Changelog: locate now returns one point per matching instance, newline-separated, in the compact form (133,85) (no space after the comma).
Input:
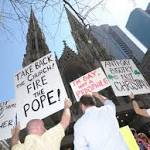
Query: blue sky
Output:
(12,45)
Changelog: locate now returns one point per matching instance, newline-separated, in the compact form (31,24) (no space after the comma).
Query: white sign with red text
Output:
(7,118)
(39,90)
(91,82)
(125,77)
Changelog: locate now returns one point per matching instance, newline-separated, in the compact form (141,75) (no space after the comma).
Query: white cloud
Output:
(112,11)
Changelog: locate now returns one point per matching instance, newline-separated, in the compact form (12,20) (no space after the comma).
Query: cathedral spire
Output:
(74,22)
(87,45)
(75,25)
(36,45)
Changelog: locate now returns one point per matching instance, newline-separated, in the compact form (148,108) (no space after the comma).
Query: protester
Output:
(98,128)
(38,137)
(143,141)
(137,109)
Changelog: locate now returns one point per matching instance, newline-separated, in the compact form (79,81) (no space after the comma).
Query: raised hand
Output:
(131,96)
(15,130)
(99,96)
(67,103)
(15,134)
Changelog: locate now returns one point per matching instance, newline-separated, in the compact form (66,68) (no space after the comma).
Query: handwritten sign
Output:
(39,90)
(125,77)
(7,118)
(91,82)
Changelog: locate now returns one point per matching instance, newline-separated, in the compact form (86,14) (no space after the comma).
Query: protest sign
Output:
(39,90)
(125,77)
(91,82)
(7,118)
(129,138)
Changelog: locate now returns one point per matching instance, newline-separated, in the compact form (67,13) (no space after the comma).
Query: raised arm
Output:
(137,109)
(15,135)
(66,116)
(110,105)
(100,97)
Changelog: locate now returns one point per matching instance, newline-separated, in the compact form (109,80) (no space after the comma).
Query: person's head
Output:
(86,101)
(35,126)
(143,137)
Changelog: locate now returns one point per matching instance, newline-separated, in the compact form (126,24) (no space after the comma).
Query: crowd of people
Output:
(96,129)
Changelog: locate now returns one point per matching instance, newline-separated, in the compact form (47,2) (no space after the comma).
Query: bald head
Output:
(35,126)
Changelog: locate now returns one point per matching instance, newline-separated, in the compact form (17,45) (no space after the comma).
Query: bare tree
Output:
(18,10)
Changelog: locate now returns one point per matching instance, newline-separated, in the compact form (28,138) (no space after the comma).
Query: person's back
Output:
(49,140)
(98,129)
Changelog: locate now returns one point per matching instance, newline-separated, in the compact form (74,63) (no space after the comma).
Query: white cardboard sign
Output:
(7,118)
(125,77)
(91,82)
(39,90)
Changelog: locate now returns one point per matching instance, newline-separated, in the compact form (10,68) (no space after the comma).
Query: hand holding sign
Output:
(65,120)
(39,90)
(15,130)
(91,82)
(131,96)
(15,134)
(67,103)
(99,96)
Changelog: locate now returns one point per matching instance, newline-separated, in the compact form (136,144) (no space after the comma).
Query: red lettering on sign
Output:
(91,87)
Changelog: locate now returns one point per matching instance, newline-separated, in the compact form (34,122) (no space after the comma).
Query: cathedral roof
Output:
(68,53)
